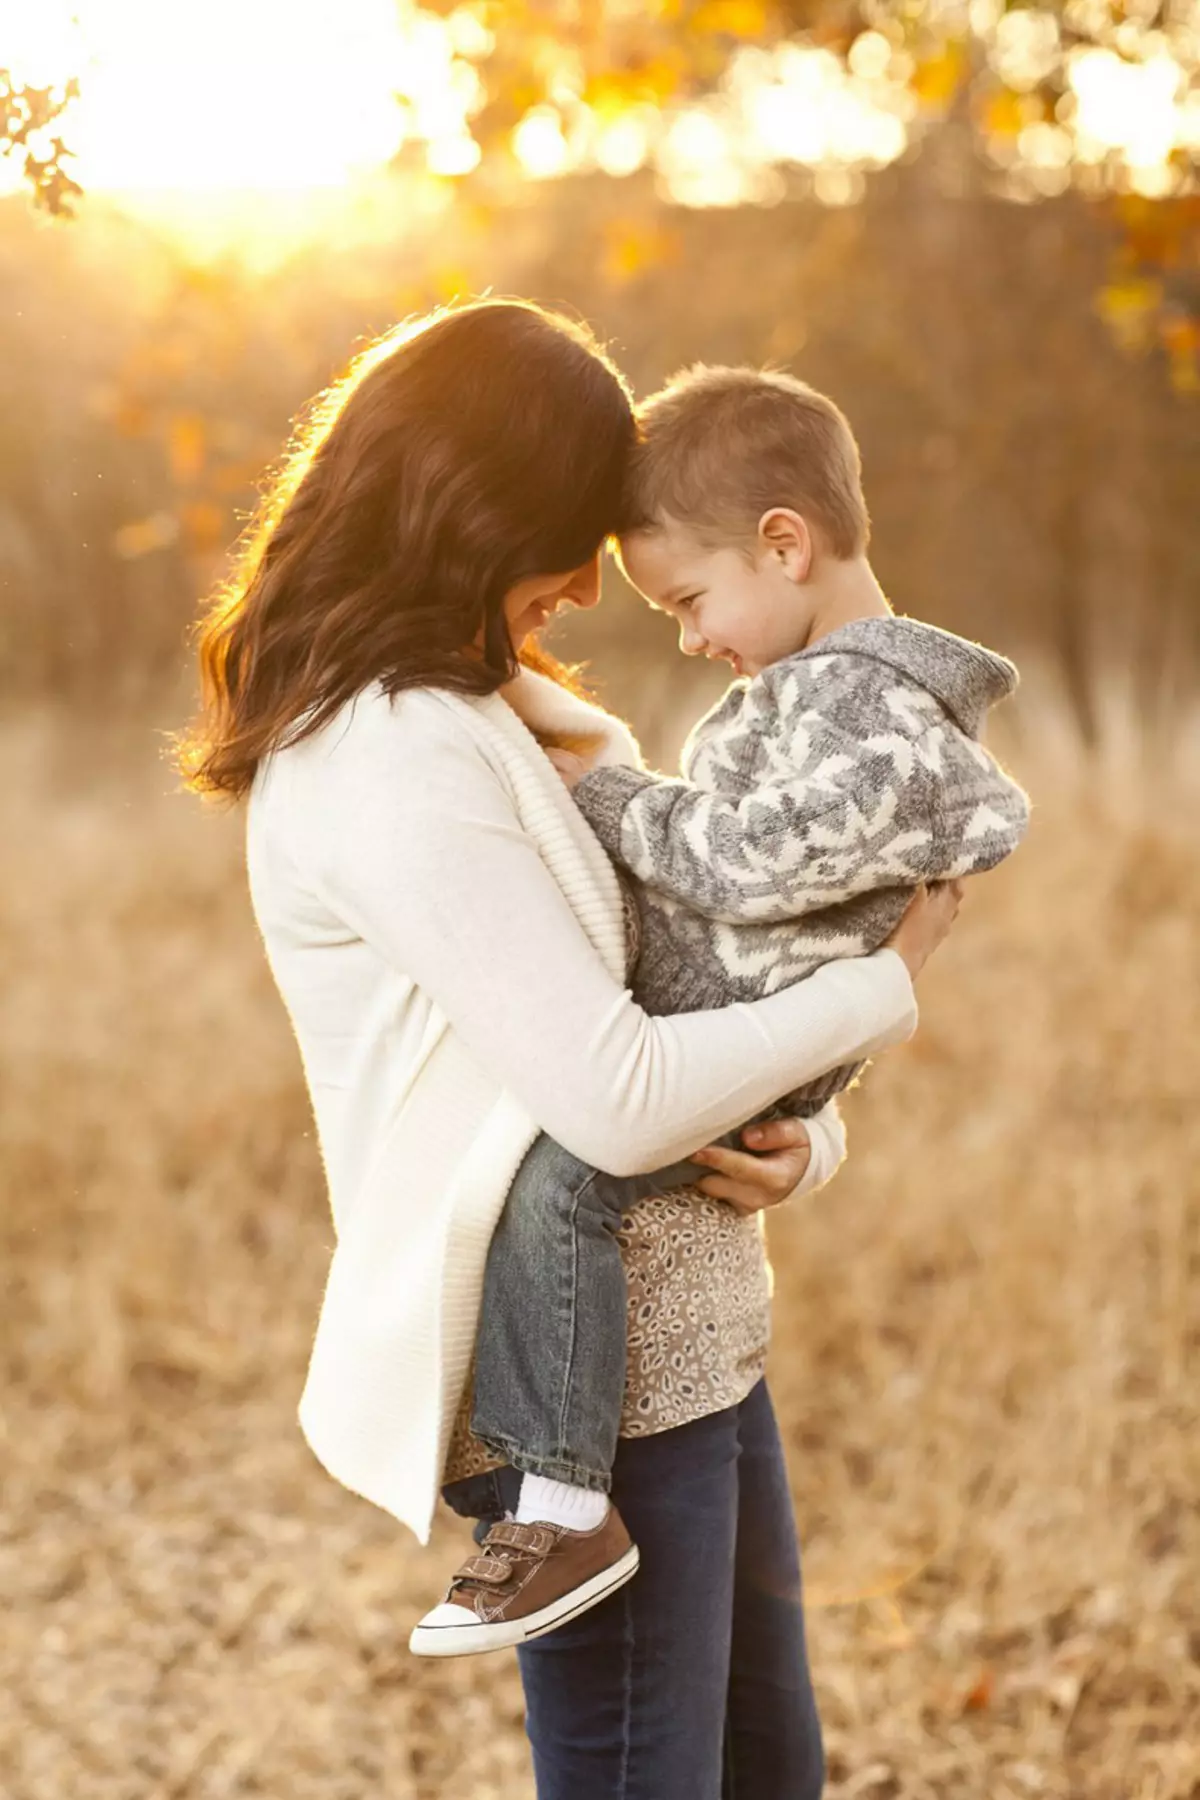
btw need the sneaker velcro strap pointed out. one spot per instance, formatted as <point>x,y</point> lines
<point>532,1540</point>
<point>489,1571</point>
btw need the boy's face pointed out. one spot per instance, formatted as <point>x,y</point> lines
<point>744,608</point>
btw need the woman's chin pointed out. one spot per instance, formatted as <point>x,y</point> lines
<point>530,624</point>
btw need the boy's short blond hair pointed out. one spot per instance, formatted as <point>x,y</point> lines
<point>721,446</point>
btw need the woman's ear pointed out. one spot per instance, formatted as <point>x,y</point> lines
<point>784,537</point>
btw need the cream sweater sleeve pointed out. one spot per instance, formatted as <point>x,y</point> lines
<point>827,1135</point>
<point>428,863</point>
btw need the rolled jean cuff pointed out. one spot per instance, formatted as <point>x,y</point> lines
<point>478,1496</point>
<point>554,1468</point>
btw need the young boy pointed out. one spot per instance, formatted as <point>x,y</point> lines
<point>840,771</point>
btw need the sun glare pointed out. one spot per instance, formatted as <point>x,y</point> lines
<point>273,95</point>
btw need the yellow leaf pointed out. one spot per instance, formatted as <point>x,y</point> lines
<point>131,417</point>
<point>522,94</point>
<point>658,79</point>
<point>1127,308</point>
<point>186,438</point>
<point>1185,373</point>
<point>1123,300</point>
<point>731,18</point>
<point>203,525</point>
<point>935,81</point>
<point>1180,333</point>
<point>140,536</point>
<point>611,93</point>
<point>233,477</point>
<point>630,248</point>
<point>1004,113</point>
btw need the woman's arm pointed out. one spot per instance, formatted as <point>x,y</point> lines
<point>827,1135</point>
<point>417,846</point>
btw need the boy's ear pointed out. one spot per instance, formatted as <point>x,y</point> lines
<point>783,535</point>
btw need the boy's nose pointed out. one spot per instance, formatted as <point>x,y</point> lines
<point>690,642</point>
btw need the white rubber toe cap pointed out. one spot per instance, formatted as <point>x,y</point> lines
<point>447,1614</point>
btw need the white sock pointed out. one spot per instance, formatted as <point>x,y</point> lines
<point>544,1502</point>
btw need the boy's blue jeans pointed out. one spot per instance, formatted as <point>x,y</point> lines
<point>550,1349</point>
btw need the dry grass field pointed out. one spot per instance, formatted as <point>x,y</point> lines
<point>987,1342</point>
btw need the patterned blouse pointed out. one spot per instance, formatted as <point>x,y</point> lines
<point>699,1304</point>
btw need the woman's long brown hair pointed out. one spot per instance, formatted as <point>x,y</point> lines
<point>486,443</point>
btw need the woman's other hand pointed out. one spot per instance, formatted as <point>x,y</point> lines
<point>572,768</point>
<point>931,914</point>
<point>752,1183</point>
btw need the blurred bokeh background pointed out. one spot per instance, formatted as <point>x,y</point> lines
<point>978,227</point>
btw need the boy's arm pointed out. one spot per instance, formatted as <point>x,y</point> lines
<point>889,811</point>
<point>978,813</point>
<point>741,860</point>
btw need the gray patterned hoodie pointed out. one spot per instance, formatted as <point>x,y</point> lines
<point>815,797</point>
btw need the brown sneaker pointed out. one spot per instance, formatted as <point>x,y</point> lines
<point>525,1580</point>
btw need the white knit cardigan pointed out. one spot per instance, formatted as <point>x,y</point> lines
<point>368,845</point>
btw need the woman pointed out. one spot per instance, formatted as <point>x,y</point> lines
<point>449,939</point>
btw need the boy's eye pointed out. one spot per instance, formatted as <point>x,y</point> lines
<point>687,600</point>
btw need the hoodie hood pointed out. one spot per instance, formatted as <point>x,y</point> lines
<point>965,677</point>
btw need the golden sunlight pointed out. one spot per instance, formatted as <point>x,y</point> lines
<point>281,95</point>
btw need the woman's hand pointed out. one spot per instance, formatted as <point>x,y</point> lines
<point>572,768</point>
<point>752,1183</point>
<point>931,914</point>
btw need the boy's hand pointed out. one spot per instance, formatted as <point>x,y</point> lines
<point>932,911</point>
<point>751,1183</point>
<point>572,768</point>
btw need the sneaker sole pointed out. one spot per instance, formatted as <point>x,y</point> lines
<point>474,1640</point>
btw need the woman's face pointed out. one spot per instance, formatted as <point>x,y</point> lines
<point>531,602</point>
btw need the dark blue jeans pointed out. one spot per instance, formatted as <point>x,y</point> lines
<point>550,1347</point>
<point>691,1682</point>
